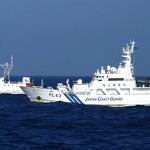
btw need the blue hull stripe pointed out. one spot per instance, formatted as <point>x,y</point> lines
<point>78,99</point>
<point>73,98</point>
<point>74,101</point>
<point>68,97</point>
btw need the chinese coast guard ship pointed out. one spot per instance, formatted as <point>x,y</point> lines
<point>111,86</point>
<point>11,87</point>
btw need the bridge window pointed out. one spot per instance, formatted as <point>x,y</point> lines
<point>115,79</point>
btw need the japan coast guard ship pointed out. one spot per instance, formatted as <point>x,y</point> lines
<point>111,87</point>
<point>11,87</point>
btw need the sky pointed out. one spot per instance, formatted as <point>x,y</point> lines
<point>73,37</point>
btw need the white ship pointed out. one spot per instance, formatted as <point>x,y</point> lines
<point>11,87</point>
<point>111,86</point>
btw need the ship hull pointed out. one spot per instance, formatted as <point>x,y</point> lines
<point>116,100</point>
<point>47,96</point>
<point>43,95</point>
<point>11,88</point>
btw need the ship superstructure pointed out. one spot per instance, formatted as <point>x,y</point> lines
<point>111,80</point>
<point>113,86</point>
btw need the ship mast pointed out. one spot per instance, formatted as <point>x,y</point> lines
<point>127,57</point>
<point>7,68</point>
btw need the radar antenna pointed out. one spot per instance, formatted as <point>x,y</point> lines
<point>7,68</point>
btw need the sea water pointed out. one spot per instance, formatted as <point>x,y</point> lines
<point>57,126</point>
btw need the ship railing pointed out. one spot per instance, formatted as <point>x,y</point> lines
<point>141,91</point>
<point>82,93</point>
<point>13,82</point>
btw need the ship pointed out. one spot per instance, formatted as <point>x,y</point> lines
<point>11,87</point>
<point>109,86</point>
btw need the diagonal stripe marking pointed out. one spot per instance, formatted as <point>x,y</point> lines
<point>68,97</point>
<point>75,96</point>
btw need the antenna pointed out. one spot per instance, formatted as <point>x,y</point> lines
<point>7,68</point>
<point>42,83</point>
<point>132,46</point>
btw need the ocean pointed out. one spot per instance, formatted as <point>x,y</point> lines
<point>57,126</point>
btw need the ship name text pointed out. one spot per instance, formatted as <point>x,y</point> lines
<point>104,99</point>
<point>54,95</point>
